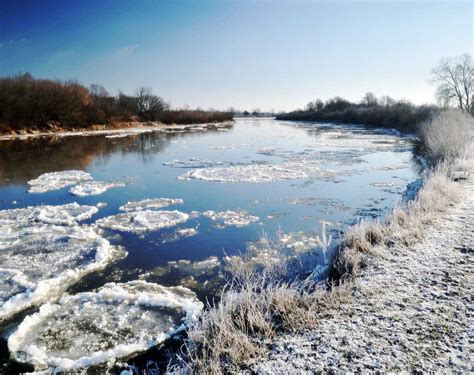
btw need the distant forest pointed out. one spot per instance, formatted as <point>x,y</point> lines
<point>453,76</point>
<point>384,112</point>
<point>28,103</point>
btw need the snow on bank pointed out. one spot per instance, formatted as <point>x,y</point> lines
<point>85,189</point>
<point>43,251</point>
<point>57,180</point>
<point>143,221</point>
<point>94,327</point>
<point>409,312</point>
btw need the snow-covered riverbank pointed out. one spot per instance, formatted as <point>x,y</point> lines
<point>408,312</point>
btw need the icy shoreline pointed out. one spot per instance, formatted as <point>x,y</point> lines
<point>407,312</point>
<point>136,128</point>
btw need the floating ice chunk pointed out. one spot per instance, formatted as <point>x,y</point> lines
<point>192,163</point>
<point>143,221</point>
<point>390,167</point>
<point>255,173</point>
<point>67,214</point>
<point>43,251</point>
<point>94,188</point>
<point>267,151</point>
<point>150,204</point>
<point>231,218</point>
<point>382,184</point>
<point>179,234</point>
<point>57,180</point>
<point>95,327</point>
<point>223,147</point>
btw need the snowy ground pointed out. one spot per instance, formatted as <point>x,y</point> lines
<point>409,312</point>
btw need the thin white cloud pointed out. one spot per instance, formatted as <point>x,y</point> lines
<point>126,50</point>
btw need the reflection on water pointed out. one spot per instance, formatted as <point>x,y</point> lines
<point>223,189</point>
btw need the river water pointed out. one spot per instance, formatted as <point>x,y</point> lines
<point>110,243</point>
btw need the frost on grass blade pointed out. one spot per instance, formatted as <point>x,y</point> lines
<point>94,188</point>
<point>95,327</point>
<point>57,180</point>
<point>43,251</point>
<point>143,221</point>
<point>150,204</point>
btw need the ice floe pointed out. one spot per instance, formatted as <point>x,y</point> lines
<point>259,172</point>
<point>382,184</point>
<point>224,219</point>
<point>143,221</point>
<point>255,173</point>
<point>192,163</point>
<point>94,188</point>
<point>150,204</point>
<point>57,180</point>
<point>113,322</point>
<point>43,251</point>
<point>390,167</point>
<point>179,234</point>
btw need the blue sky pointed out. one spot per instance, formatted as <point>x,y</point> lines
<point>246,54</point>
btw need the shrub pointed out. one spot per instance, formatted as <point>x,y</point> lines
<point>447,136</point>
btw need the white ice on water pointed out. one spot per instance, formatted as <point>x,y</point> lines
<point>94,187</point>
<point>43,251</point>
<point>150,204</point>
<point>255,173</point>
<point>94,327</point>
<point>143,221</point>
<point>57,180</point>
<point>238,218</point>
<point>192,163</point>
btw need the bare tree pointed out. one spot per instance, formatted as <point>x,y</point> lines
<point>455,79</point>
<point>369,100</point>
<point>149,106</point>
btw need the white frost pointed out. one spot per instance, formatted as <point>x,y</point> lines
<point>95,327</point>
<point>57,180</point>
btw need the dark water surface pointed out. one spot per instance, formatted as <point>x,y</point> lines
<point>290,176</point>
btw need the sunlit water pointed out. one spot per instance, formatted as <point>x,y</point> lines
<point>223,190</point>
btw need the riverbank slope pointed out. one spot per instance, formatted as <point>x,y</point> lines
<point>407,311</point>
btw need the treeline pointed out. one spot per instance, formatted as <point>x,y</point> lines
<point>384,112</point>
<point>30,103</point>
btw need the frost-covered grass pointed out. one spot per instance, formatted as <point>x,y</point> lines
<point>447,136</point>
<point>271,290</point>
